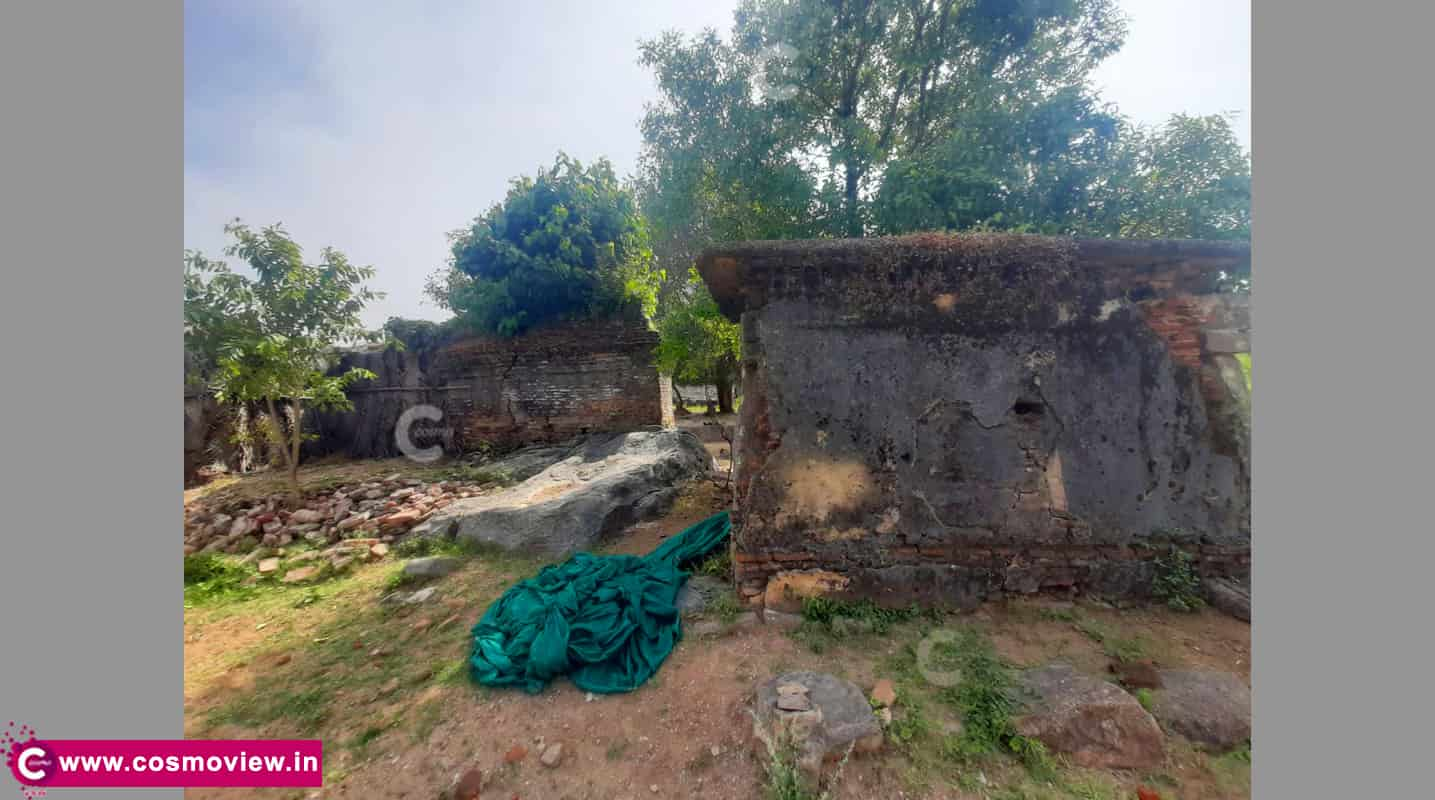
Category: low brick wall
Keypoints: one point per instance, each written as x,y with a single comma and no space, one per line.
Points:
941,418
547,385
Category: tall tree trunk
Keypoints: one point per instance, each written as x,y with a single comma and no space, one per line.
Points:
854,217
296,437
278,423
723,379
724,393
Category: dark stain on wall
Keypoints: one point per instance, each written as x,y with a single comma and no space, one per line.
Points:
940,418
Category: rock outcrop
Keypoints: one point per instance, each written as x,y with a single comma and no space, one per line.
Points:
594,488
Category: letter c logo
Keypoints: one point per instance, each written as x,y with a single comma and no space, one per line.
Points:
22,763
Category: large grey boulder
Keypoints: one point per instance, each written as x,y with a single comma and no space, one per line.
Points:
599,486
1229,596
699,592
1094,722
1209,708
430,567
821,717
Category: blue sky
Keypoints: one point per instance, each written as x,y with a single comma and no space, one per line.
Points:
377,128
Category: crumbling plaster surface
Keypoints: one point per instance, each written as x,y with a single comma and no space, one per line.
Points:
944,417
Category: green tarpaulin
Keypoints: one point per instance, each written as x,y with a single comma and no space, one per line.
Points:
607,622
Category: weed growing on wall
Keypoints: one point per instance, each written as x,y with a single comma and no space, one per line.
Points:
1176,581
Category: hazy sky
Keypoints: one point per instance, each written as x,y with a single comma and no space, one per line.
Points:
377,130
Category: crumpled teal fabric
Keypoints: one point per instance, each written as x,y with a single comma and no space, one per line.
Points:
607,622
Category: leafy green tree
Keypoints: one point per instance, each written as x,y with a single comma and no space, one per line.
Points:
893,116
862,85
270,338
976,112
566,243
1189,179
698,344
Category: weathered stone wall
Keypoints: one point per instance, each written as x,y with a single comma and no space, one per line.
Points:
547,385
941,418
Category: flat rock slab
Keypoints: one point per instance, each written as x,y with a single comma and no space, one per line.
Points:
1208,707
698,592
431,566
600,486
1093,721
835,717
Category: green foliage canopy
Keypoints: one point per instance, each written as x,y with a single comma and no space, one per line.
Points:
698,344
893,116
566,243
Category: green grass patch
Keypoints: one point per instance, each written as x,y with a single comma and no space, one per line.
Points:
725,608
824,611
718,565
1121,648
210,578
1143,696
303,709
1233,771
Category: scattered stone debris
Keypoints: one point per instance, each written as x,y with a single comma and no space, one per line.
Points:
1208,707
1093,721
300,575
372,506
832,718
515,754
268,565
793,697
552,755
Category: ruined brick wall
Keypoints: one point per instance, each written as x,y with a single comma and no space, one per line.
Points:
942,418
546,385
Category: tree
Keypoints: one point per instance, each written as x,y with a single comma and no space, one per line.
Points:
698,344
566,243
866,84
270,338
1189,179
894,116
868,116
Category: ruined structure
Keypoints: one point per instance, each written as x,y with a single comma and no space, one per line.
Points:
544,386
942,418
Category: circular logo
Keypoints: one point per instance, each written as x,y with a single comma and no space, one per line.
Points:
404,440
33,763
927,663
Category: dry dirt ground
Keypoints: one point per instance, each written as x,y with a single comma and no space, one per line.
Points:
386,691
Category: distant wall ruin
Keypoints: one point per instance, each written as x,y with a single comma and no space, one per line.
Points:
943,418
546,385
